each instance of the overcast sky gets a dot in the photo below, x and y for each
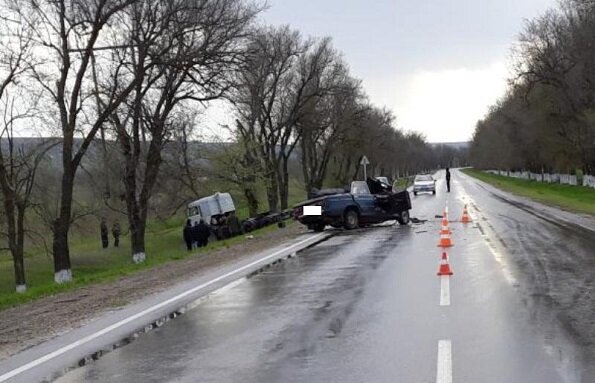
(438, 64)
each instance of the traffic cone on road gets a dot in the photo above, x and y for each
(444, 266)
(466, 218)
(445, 240)
(444, 229)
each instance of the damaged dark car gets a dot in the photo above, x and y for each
(367, 202)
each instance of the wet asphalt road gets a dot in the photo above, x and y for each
(364, 306)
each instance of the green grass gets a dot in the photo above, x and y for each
(92, 264)
(573, 198)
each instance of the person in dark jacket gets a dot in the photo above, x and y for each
(203, 233)
(188, 235)
(116, 233)
(448, 180)
(104, 233)
(234, 224)
(196, 235)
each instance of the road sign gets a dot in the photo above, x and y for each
(364, 162)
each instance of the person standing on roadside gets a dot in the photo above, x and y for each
(203, 233)
(234, 224)
(196, 242)
(104, 233)
(448, 180)
(188, 234)
(116, 233)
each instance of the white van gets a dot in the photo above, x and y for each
(206, 208)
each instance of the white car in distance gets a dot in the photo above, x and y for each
(424, 183)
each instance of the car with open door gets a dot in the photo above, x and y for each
(368, 202)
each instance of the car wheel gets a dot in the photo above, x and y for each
(403, 217)
(318, 227)
(434, 192)
(351, 219)
(414, 193)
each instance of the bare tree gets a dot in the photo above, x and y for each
(68, 33)
(183, 53)
(18, 164)
(279, 86)
(326, 125)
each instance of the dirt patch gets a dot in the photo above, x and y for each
(32, 323)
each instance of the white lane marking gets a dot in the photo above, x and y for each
(444, 368)
(444, 290)
(149, 310)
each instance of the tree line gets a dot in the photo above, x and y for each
(545, 122)
(113, 84)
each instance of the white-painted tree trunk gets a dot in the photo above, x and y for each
(139, 257)
(63, 276)
(21, 289)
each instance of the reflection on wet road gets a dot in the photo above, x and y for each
(363, 306)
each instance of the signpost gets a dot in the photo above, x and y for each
(364, 162)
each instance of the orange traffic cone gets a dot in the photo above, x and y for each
(444, 266)
(445, 241)
(445, 229)
(466, 218)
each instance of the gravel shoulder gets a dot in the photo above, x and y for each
(33, 323)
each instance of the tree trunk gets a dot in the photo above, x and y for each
(252, 201)
(284, 185)
(306, 170)
(19, 272)
(273, 193)
(17, 252)
(61, 226)
(15, 241)
(137, 240)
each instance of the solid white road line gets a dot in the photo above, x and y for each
(444, 290)
(444, 369)
(149, 310)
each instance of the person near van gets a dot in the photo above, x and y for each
(203, 233)
(104, 233)
(196, 242)
(234, 224)
(116, 233)
(188, 234)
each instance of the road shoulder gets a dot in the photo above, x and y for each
(550, 213)
(20, 326)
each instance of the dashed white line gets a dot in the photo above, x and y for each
(60, 351)
(444, 368)
(444, 290)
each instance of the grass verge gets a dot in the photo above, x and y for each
(573, 198)
(92, 264)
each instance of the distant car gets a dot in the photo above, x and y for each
(424, 183)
